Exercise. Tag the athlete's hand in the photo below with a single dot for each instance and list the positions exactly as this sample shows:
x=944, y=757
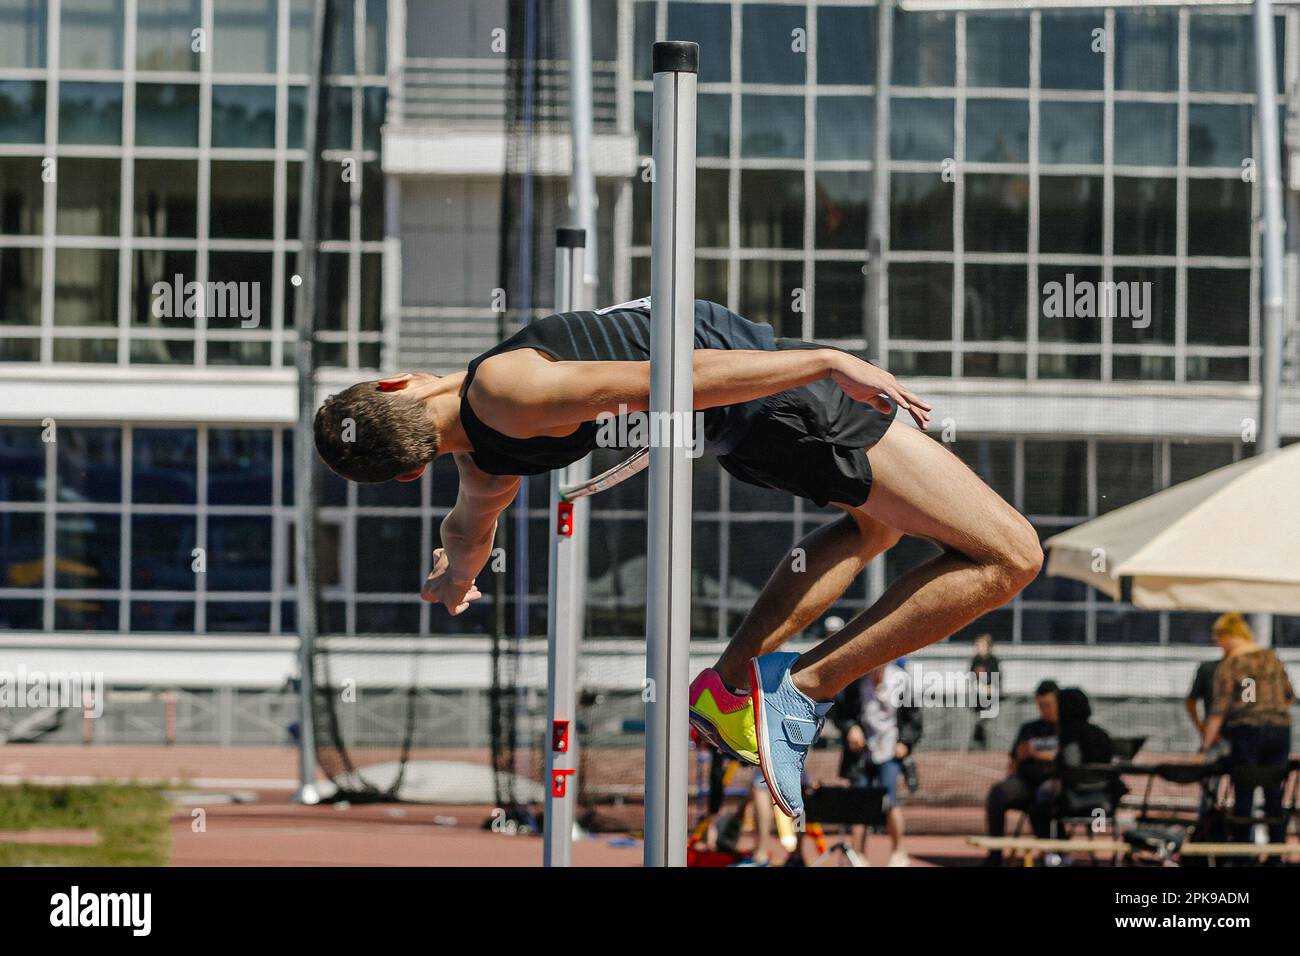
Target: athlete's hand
x=867, y=383
x=442, y=586
x=855, y=739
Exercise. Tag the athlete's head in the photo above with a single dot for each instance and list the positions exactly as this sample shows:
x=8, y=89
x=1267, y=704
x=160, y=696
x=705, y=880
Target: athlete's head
x=377, y=431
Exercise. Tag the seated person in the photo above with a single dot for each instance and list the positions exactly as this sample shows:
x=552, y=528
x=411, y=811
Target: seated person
x=1028, y=769
x=1079, y=742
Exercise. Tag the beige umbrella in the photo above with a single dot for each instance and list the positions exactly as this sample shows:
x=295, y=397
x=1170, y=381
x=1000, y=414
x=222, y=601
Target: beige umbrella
x=1228, y=540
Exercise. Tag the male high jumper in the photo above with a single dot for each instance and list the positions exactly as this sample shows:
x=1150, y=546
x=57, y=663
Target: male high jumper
x=778, y=413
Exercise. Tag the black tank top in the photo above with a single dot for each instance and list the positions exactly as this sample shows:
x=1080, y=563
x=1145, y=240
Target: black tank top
x=620, y=333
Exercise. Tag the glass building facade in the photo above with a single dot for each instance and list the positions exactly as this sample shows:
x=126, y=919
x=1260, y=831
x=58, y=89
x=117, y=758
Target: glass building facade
x=1024, y=149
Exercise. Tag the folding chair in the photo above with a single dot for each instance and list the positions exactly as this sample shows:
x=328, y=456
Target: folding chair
x=844, y=806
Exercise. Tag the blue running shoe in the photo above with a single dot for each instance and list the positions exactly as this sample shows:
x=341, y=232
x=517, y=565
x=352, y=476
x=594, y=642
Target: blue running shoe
x=788, y=721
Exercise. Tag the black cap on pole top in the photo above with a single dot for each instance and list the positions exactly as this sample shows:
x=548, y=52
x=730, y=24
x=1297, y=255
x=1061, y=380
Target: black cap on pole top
x=676, y=56
x=571, y=237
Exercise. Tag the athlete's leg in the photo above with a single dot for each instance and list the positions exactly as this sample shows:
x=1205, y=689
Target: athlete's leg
x=832, y=556
x=990, y=552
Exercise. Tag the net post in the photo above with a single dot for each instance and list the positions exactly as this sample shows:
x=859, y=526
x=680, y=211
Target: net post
x=564, y=622
x=672, y=342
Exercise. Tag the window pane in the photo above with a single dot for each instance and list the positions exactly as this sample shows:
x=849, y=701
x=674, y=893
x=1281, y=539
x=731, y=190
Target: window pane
x=771, y=208
x=241, y=296
x=920, y=211
x=921, y=129
x=243, y=200
x=103, y=351
x=388, y=555
x=374, y=101
x=297, y=109
x=1056, y=478
x=997, y=50
x=1218, y=306
x=89, y=196
x=1218, y=217
x=91, y=34
x=90, y=113
x=924, y=49
x=89, y=464
x=376, y=44
x=1150, y=319
x=341, y=59
x=166, y=202
x=713, y=121
x=844, y=127
x=1070, y=133
x=164, y=465
x=920, y=300
x=23, y=476
x=162, y=616
x=1126, y=472
x=22, y=33
x=709, y=25
x=239, y=466
x=997, y=131
x=155, y=299
x=1220, y=54
x=843, y=209
x=244, y=36
x=996, y=303
x=22, y=111
x=1146, y=134
x=997, y=213
x=20, y=288
x=163, y=34
x=167, y=114
x=22, y=554
x=766, y=294
x=87, y=551
x=846, y=45
x=370, y=294
x=1070, y=219
x=1189, y=459
x=840, y=296
x=162, y=557
x=300, y=36
x=1069, y=307
x=1218, y=134
x=767, y=51
x=22, y=196
x=771, y=127
x=1069, y=59
x=239, y=553
x=1146, y=49
x=1146, y=219
x=85, y=287
x=243, y=117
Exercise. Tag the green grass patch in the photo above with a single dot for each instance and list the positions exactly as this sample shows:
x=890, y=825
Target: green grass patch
x=132, y=823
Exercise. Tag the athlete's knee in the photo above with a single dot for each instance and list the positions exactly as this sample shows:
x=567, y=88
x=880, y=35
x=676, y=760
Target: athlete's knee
x=1018, y=553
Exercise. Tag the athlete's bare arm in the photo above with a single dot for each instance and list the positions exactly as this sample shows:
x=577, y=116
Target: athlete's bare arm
x=523, y=393
x=467, y=535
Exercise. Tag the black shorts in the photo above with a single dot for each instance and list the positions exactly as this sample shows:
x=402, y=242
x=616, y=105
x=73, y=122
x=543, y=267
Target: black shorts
x=810, y=441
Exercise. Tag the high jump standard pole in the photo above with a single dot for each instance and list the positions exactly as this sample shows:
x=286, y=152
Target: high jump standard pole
x=672, y=344
x=564, y=623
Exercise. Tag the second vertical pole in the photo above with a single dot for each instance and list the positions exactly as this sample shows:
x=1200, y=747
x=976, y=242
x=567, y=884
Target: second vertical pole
x=672, y=344
x=565, y=622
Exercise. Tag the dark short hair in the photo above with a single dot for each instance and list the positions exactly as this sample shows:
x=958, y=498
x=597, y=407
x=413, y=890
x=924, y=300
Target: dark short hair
x=1046, y=687
x=367, y=435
